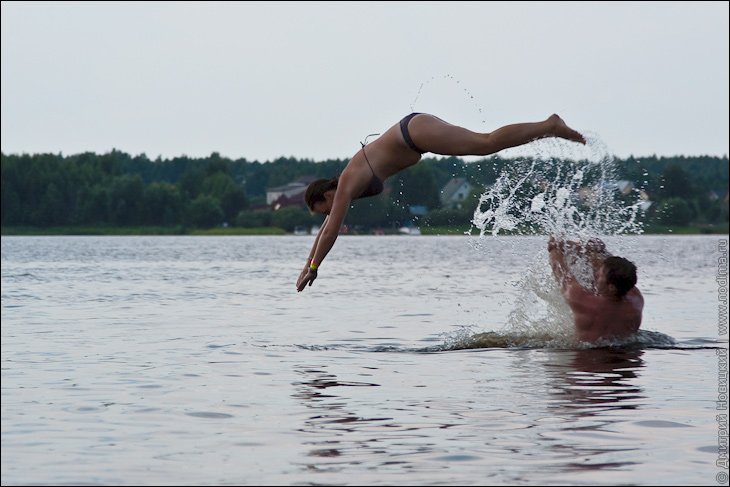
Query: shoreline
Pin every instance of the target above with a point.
(275, 231)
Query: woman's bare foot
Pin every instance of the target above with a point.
(560, 129)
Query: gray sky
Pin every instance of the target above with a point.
(310, 79)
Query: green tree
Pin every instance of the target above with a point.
(230, 195)
(162, 204)
(92, 205)
(255, 218)
(216, 164)
(233, 202)
(290, 217)
(675, 211)
(11, 209)
(51, 209)
(191, 182)
(677, 183)
(126, 196)
(205, 212)
(369, 212)
(89, 188)
(416, 186)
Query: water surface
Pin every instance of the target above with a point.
(194, 361)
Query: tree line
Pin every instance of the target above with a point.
(118, 189)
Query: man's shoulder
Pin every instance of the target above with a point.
(635, 297)
(575, 289)
(578, 296)
(634, 291)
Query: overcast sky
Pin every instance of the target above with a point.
(260, 80)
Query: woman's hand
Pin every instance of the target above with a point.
(308, 278)
(302, 274)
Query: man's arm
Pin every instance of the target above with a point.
(561, 272)
(596, 252)
(580, 300)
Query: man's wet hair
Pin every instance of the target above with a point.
(621, 273)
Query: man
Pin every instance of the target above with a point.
(614, 307)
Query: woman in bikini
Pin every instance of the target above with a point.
(400, 147)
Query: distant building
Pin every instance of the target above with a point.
(455, 193)
(589, 195)
(719, 195)
(645, 205)
(623, 186)
(290, 194)
(285, 201)
(644, 201)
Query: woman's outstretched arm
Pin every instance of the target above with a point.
(311, 252)
(327, 236)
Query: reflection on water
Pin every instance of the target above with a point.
(330, 417)
(597, 379)
(586, 386)
(589, 393)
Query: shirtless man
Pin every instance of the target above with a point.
(614, 307)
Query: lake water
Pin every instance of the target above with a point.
(194, 361)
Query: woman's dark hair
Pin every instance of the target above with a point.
(621, 273)
(316, 189)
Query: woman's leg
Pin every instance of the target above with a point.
(434, 135)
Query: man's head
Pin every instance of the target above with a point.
(617, 273)
(316, 194)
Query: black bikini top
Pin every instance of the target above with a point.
(375, 187)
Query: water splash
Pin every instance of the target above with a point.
(452, 81)
(563, 190)
(556, 193)
(517, 339)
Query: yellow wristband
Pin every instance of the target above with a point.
(313, 266)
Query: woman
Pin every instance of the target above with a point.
(400, 147)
